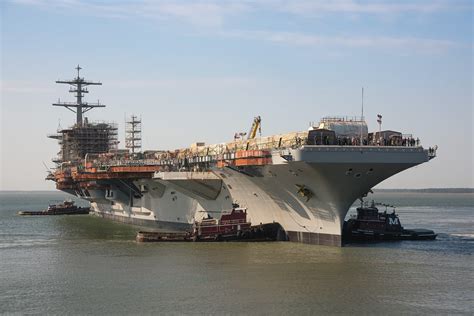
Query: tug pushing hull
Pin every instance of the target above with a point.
(372, 225)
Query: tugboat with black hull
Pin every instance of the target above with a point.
(370, 224)
(65, 208)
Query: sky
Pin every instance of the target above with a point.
(201, 70)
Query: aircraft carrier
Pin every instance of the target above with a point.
(305, 181)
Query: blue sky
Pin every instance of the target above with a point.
(201, 70)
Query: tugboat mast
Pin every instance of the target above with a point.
(79, 86)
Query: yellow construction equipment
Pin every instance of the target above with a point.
(256, 126)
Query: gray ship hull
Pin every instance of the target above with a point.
(308, 191)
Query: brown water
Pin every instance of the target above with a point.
(87, 265)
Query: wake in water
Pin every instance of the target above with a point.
(469, 236)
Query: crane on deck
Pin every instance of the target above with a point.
(256, 126)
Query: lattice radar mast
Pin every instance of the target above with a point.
(133, 134)
(79, 87)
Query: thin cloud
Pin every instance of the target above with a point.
(368, 7)
(201, 82)
(30, 86)
(397, 44)
(24, 86)
(200, 13)
(214, 13)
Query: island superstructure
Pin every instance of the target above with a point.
(305, 181)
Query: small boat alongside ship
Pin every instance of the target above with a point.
(65, 208)
(231, 226)
(370, 224)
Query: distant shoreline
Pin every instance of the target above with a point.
(426, 190)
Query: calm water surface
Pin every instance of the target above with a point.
(87, 265)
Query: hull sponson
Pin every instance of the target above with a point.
(147, 223)
(159, 208)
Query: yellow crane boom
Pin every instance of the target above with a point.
(256, 126)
